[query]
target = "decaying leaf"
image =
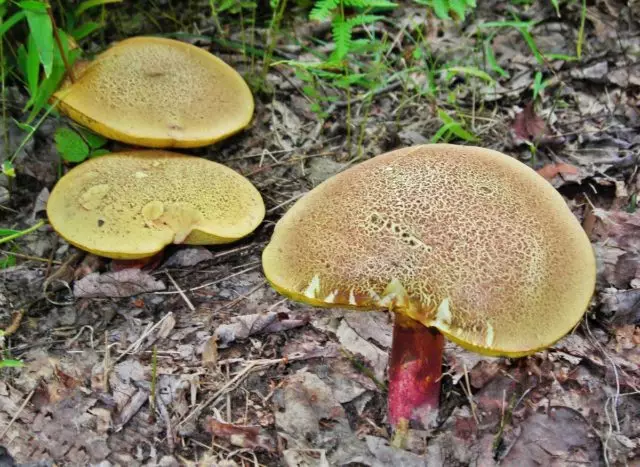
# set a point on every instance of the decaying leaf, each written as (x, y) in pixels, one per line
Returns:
(248, 325)
(560, 437)
(124, 283)
(528, 126)
(243, 436)
(550, 171)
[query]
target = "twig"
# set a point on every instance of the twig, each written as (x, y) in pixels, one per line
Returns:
(15, 323)
(208, 284)
(180, 291)
(22, 406)
(231, 384)
(143, 337)
(67, 67)
(29, 257)
(470, 395)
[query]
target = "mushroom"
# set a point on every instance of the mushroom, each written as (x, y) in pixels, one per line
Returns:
(458, 241)
(157, 92)
(131, 205)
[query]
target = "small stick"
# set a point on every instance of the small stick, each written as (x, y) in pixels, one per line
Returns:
(154, 377)
(24, 404)
(181, 292)
(15, 323)
(72, 77)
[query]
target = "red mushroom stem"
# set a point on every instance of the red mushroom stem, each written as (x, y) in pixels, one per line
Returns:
(415, 370)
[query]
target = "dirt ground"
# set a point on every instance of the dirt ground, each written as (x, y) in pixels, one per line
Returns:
(245, 377)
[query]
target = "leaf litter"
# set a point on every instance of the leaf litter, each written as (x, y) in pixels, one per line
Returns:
(244, 378)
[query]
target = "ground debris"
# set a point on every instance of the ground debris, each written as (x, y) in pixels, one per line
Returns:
(248, 325)
(242, 436)
(124, 283)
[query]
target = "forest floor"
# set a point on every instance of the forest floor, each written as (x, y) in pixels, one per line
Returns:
(245, 377)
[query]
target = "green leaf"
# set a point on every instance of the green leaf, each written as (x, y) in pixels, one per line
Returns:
(459, 7)
(7, 232)
(469, 70)
(33, 5)
(360, 20)
(24, 126)
(441, 9)
(493, 63)
(507, 24)
(70, 145)
(85, 30)
(11, 363)
(341, 38)
(323, 9)
(32, 66)
(9, 23)
(8, 262)
(94, 140)
(84, 6)
(8, 169)
(42, 31)
(99, 152)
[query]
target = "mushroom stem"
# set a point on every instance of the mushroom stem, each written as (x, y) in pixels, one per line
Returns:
(415, 369)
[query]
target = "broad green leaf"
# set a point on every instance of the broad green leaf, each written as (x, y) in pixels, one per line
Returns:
(24, 126)
(99, 152)
(441, 9)
(94, 140)
(459, 7)
(32, 66)
(33, 5)
(84, 6)
(21, 59)
(70, 145)
(42, 31)
(9, 23)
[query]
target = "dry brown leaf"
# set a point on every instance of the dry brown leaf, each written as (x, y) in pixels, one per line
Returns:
(528, 126)
(243, 436)
(550, 171)
(124, 283)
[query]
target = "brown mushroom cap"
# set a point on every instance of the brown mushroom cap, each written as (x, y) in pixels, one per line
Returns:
(158, 92)
(132, 204)
(465, 239)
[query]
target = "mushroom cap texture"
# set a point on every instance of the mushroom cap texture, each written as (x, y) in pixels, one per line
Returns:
(158, 92)
(132, 204)
(465, 239)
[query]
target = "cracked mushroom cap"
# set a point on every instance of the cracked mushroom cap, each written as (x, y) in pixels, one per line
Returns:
(464, 239)
(157, 92)
(131, 205)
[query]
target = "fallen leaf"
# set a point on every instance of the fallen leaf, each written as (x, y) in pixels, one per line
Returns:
(210, 353)
(355, 344)
(242, 436)
(124, 283)
(187, 257)
(248, 325)
(622, 305)
(560, 437)
(550, 171)
(528, 126)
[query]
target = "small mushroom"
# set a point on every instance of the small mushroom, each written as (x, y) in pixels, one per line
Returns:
(131, 205)
(157, 92)
(458, 241)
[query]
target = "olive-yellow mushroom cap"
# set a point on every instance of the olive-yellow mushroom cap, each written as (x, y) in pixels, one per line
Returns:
(464, 239)
(132, 204)
(158, 92)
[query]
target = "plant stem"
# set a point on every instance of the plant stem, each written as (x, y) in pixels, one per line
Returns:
(274, 29)
(415, 369)
(8, 238)
(154, 377)
(59, 42)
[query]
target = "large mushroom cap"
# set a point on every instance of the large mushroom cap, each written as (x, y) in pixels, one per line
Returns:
(465, 239)
(131, 205)
(158, 92)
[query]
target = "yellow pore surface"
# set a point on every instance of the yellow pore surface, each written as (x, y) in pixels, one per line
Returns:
(158, 92)
(132, 204)
(465, 239)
